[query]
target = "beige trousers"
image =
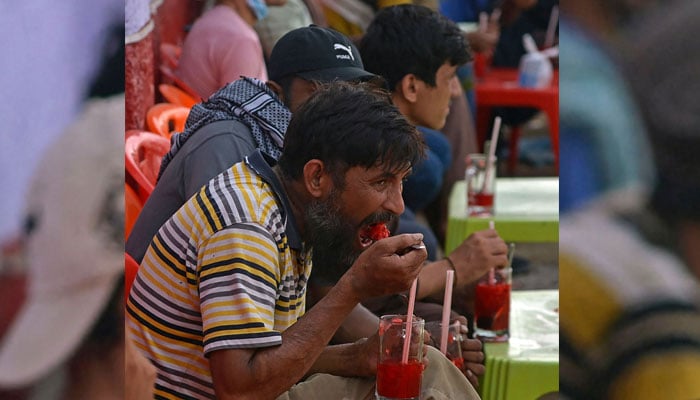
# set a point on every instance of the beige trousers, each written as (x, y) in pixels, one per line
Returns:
(441, 381)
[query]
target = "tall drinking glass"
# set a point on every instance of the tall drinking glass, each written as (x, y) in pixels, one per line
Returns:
(492, 305)
(396, 379)
(454, 340)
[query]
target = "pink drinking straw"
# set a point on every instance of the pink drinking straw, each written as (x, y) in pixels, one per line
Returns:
(492, 273)
(409, 321)
(492, 151)
(446, 310)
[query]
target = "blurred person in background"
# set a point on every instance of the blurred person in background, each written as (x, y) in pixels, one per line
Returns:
(67, 340)
(630, 303)
(222, 46)
(280, 20)
(49, 55)
(600, 122)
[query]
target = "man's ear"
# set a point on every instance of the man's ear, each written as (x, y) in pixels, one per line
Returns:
(275, 87)
(409, 86)
(317, 180)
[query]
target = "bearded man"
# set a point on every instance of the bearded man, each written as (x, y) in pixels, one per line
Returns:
(218, 304)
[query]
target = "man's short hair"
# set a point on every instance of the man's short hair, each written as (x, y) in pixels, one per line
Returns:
(347, 125)
(409, 39)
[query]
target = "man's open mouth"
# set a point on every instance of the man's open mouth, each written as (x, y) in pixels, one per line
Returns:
(373, 232)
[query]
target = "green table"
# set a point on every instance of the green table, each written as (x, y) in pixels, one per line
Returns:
(527, 366)
(526, 210)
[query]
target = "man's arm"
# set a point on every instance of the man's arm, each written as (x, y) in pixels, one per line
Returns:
(473, 258)
(360, 323)
(264, 373)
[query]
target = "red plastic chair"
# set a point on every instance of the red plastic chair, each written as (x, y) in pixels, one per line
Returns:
(131, 268)
(166, 118)
(132, 209)
(170, 77)
(173, 94)
(144, 152)
(170, 54)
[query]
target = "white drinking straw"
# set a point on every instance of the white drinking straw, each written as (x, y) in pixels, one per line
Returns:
(446, 310)
(492, 272)
(409, 321)
(492, 151)
(551, 27)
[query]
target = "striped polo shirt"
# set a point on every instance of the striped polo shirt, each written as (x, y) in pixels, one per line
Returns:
(227, 271)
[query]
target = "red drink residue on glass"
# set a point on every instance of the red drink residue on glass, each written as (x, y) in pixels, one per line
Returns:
(397, 380)
(492, 307)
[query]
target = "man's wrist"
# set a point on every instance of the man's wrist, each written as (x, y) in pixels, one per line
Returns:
(451, 265)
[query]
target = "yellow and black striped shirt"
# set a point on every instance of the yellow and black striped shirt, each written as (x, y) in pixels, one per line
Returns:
(228, 270)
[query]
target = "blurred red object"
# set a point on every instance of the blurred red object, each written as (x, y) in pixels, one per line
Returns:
(144, 153)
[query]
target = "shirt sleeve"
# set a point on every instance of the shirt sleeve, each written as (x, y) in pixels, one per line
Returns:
(238, 280)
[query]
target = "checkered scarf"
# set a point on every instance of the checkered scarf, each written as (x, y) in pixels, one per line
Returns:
(247, 100)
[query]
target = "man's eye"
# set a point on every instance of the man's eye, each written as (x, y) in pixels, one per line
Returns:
(381, 183)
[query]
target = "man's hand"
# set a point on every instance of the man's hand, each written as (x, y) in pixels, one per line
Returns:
(473, 355)
(472, 352)
(476, 255)
(379, 270)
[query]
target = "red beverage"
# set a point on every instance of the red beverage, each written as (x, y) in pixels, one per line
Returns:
(480, 203)
(399, 381)
(483, 199)
(492, 306)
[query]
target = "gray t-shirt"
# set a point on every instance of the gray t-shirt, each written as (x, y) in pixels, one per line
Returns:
(211, 150)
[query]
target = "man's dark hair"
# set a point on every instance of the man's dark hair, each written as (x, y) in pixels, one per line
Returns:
(409, 39)
(347, 125)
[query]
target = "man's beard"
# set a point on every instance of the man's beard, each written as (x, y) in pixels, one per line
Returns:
(333, 237)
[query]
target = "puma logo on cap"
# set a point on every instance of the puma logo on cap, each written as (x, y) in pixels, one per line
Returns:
(338, 46)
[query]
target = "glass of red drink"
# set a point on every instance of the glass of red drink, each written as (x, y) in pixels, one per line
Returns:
(481, 184)
(454, 340)
(492, 305)
(396, 379)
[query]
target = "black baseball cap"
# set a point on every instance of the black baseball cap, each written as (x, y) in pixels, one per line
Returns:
(316, 53)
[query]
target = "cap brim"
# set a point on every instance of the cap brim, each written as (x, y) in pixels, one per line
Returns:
(46, 331)
(341, 74)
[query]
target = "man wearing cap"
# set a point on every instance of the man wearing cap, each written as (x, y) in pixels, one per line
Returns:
(243, 116)
(219, 302)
